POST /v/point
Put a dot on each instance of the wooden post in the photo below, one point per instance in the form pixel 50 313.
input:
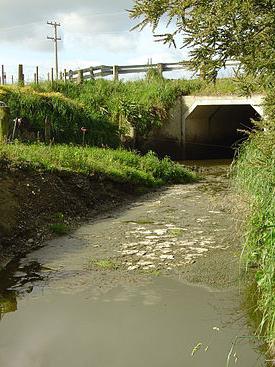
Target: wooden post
pixel 37 75
pixel 92 75
pixel 4 123
pixel 160 69
pixel 52 77
pixel 20 75
pixel 65 75
pixel 48 77
pixel 34 78
pixel 115 73
pixel 3 74
pixel 47 130
pixel 80 78
pixel 12 80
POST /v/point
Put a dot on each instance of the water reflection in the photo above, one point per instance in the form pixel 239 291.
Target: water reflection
pixel 15 281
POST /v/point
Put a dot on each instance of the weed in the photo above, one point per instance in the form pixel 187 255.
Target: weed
pixel 104 264
pixel 176 232
pixel 59 229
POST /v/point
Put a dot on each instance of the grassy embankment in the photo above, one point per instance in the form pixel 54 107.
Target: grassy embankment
pixel 107 109
pixel 255 180
pixel 119 165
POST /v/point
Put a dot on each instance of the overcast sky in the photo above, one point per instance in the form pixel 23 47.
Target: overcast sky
pixel 93 32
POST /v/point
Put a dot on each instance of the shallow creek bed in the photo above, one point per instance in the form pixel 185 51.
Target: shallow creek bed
pixel 153 284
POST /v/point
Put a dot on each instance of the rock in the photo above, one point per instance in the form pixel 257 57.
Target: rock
pixel 144 263
pixel 167 257
pixel 160 232
pixel 129 252
pixel 133 267
pixel 30 241
pixel 141 253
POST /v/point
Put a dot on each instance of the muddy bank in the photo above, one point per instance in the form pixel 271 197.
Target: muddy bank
pixel 36 206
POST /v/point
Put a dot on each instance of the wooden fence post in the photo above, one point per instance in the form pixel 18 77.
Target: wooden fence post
pixel 37 75
pixel 92 76
pixel 34 78
pixel 47 130
pixel 160 69
pixel 80 77
pixel 3 74
pixel 52 77
pixel 115 73
pixel 4 123
pixel 20 75
pixel 65 75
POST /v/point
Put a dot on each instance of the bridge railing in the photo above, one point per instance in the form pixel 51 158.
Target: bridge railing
pixel 94 72
pixel 116 70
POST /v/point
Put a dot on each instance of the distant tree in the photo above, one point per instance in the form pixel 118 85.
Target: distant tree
pixel 217 31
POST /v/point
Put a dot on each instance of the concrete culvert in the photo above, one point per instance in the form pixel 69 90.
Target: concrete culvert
pixel 213 131
pixel 205 127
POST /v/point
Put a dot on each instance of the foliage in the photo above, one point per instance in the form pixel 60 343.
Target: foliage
pixel 217 31
pixel 65 114
pixel 255 176
pixel 143 104
pixel 117 165
pixel 105 108
pixel 59 229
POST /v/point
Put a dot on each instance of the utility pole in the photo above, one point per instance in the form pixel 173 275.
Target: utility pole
pixel 55 39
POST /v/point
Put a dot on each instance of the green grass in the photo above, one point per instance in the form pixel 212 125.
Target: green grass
pixel 117 165
pixel 104 264
pixel 106 108
pixel 255 179
pixel 59 229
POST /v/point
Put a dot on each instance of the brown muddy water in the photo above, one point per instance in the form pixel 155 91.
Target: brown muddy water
pixel 155 284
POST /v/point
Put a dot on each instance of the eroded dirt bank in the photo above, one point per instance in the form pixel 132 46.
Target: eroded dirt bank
pixel 32 202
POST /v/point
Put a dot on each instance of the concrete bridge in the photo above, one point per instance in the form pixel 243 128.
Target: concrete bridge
pixel 205 127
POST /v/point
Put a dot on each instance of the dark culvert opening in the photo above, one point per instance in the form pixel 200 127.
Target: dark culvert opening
pixel 213 131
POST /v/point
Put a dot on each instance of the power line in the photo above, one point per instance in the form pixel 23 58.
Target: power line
pixel 89 15
pixel 55 38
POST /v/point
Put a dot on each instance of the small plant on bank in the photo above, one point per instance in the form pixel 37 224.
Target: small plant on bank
pixel 59 229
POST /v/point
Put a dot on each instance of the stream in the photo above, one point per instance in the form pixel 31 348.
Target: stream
pixel 155 283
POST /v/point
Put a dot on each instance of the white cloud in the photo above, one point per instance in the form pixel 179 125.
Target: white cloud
pixel 92 31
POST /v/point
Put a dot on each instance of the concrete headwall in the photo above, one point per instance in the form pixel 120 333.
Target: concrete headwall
pixel 202 127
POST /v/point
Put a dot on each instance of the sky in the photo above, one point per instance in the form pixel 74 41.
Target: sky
pixel 93 32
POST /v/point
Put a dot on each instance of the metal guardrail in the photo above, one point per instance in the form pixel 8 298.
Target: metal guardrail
pixel 117 70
